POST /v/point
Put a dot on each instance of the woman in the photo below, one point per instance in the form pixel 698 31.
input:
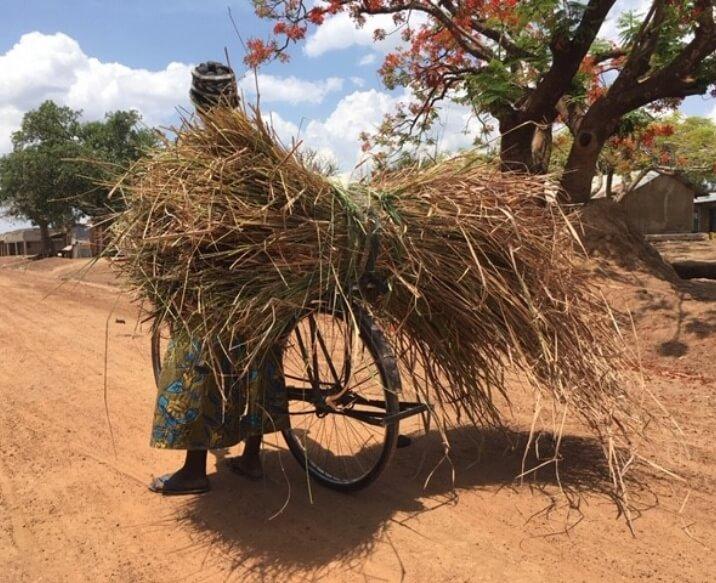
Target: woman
pixel 193 412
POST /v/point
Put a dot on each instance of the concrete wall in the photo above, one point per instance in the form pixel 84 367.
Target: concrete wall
pixel 20 248
pixel 27 242
pixel 663 205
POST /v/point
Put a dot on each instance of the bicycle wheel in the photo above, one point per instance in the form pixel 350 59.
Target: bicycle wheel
pixel 342 381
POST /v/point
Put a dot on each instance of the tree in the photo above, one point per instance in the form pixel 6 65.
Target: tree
pixel 671 56
pixel 60 168
pixel 690 148
pixel 527 63
pixel 109 147
pixel 38 178
pixel 643 143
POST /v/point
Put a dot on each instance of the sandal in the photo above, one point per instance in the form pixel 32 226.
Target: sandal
pixel 162 485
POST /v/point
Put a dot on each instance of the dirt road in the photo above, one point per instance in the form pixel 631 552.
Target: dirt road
pixel 73 507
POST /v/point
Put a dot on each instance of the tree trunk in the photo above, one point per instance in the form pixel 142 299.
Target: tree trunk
pixel 593 132
pixel 525 146
pixel 515 146
pixel 541 148
pixel 45 237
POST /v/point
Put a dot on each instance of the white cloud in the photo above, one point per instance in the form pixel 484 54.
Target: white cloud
pixel 609 29
pixel 337 136
pixel 456 128
pixel 290 89
pixel 41 66
pixel 54 66
pixel 358 81
pixel 101 87
pixel 368 59
pixel 285 130
pixel 10 118
pixel 340 32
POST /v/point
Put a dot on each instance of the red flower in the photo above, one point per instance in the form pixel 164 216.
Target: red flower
pixel 259 52
pixel 316 16
pixel 296 32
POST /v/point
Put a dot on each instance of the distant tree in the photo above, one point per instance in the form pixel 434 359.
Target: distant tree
pixel 38 179
pixel 527 63
pixel 691 148
pixel 109 147
pixel 315 161
pixel 60 168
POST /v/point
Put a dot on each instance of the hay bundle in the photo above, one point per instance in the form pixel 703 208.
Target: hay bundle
pixel 228 232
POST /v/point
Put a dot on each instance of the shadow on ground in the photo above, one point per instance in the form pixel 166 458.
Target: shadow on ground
pixel 685 309
pixel 235 519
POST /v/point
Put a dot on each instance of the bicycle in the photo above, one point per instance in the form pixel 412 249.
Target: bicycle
pixel 324 350
pixel 342 383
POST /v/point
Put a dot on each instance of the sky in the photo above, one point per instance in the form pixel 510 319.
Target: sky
pixel 100 56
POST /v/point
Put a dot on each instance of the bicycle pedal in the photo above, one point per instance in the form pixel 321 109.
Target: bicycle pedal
pixel 403 441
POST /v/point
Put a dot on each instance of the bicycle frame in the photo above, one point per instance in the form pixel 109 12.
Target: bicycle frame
pixel 407 408
pixel 335 400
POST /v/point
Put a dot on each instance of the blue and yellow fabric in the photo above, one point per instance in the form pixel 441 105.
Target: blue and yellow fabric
pixel 192 413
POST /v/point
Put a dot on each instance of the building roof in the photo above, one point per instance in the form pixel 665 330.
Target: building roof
pixel 20 235
pixel 618 185
pixel 708 198
pixel 31 234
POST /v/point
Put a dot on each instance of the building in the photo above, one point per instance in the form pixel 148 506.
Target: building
pixel 706 213
pixel 662 202
pixel 26 242
pixel 74 243
pixel 80 242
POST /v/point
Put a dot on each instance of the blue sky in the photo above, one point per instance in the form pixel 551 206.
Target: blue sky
pixel 99 56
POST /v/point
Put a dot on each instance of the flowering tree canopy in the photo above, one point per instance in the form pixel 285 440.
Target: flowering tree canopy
pixel 527 63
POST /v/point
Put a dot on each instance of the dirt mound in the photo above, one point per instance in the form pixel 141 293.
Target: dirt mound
pixel 613 241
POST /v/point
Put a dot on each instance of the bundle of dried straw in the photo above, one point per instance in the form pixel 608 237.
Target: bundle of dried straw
pixel 227 231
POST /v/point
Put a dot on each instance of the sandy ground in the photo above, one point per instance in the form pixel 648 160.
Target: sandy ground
pixel 73 507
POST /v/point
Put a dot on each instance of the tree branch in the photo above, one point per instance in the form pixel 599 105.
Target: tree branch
pixel 571 112
pixel 678 79
pixel 500 38
pixel 602 56
pixel 463 37
pixel 637 62
pixel 568 56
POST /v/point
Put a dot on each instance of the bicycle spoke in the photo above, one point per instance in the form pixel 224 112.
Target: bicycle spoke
pixel 327 353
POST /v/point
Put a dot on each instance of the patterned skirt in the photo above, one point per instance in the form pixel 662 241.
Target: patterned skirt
pixel 197 409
